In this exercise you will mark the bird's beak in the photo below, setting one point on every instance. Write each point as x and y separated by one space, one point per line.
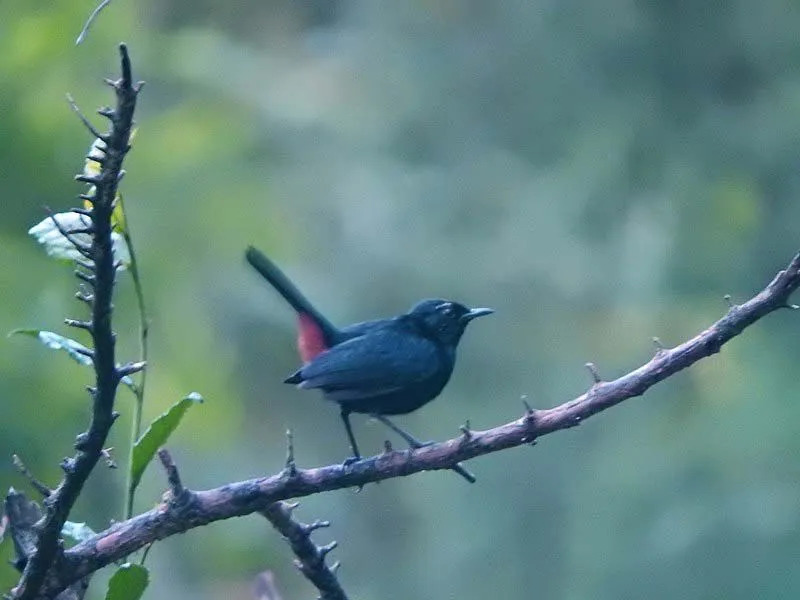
475 313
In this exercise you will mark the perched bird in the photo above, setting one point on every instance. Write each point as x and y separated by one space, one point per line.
383 367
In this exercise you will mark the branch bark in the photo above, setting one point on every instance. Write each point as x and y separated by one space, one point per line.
23 515
89 445
197 508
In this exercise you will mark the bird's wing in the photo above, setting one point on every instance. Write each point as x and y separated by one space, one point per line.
377 363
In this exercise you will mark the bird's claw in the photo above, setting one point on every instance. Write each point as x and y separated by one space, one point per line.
416 444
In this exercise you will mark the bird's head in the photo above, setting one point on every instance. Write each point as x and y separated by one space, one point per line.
445 319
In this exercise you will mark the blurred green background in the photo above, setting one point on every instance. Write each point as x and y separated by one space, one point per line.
598 173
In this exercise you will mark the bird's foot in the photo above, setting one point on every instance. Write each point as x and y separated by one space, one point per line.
350 461
416 444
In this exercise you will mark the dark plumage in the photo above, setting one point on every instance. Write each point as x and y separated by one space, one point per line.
383 367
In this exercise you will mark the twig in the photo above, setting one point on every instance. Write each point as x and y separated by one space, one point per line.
40 487
173 477
90 20
130 368
90 449
310 557
85 121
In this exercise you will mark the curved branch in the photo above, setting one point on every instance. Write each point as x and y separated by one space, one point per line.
197 508
89 445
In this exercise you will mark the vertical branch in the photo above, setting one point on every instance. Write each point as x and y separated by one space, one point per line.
310 557
22 518
89 445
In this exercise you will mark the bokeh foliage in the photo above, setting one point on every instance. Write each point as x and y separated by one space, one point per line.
600 174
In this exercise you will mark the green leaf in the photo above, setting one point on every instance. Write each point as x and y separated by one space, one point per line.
157 435
49 234
75 350
128 583
77 531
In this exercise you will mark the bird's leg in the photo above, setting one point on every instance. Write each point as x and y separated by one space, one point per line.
353 445
415 443
410 439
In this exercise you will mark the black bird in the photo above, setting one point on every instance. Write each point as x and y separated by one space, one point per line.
383 367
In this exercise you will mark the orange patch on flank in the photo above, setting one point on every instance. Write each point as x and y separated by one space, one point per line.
310 340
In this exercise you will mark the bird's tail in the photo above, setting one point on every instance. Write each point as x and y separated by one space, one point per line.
270 271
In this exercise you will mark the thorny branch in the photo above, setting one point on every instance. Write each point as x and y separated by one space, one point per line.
48 553
310 557
199 508
22 516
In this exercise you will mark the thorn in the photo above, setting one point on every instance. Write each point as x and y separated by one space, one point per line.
81 440
90 179
87 298
88 352
91 389
84 120
87 325
130 369
121 173
67 465
530 413
82 211
387 447
88 265
327 549
592 368
728 301
106 454
106 111
290 468
530 417
335 567
311 527
85 277
791 306
290 506
465 431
